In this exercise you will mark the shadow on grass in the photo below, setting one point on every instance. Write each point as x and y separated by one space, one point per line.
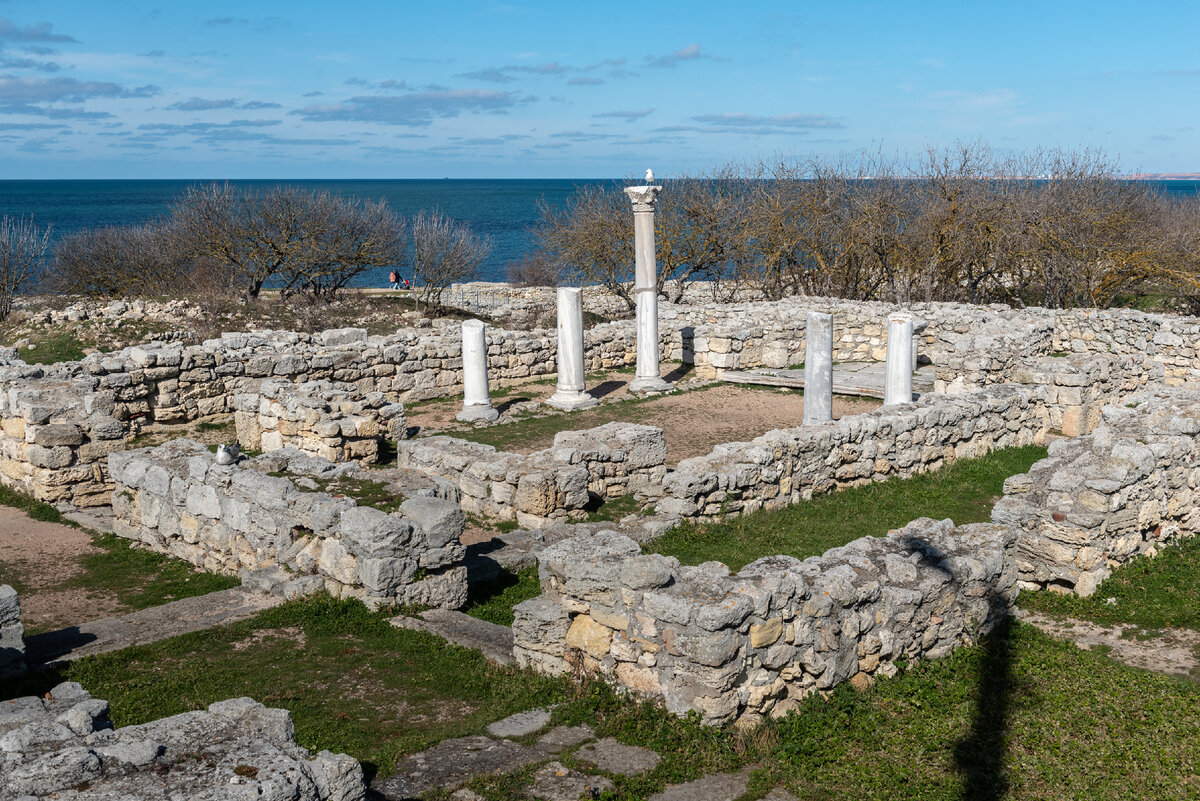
980 756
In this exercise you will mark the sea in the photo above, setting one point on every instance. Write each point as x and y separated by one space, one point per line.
506 210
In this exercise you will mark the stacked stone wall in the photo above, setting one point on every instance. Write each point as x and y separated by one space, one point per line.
548 486
55 437
786 466
754 643
331 421
12 634
1099 500
225 518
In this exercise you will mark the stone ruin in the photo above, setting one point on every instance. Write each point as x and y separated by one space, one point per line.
12 634
176 499
63 745
1113 382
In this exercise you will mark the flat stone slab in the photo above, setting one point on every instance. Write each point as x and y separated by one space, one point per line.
147 625
452 762
717 787
94 521
493 640
560 738
520 724
865 379
779 794
555 782
623 760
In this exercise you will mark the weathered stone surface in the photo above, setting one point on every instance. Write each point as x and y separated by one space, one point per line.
236 749
555 782
612 757
226 518
12 643
453 762
717 787
493 640
561 738
520 724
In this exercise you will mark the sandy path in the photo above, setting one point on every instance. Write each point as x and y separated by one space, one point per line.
693 422
38 557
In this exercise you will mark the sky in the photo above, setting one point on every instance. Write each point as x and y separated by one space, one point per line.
404 89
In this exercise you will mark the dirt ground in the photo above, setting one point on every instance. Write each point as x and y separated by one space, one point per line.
1173 651
693 422
37 558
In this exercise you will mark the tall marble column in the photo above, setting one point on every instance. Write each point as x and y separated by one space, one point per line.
477 404
645 287
569 394
818 368
898 371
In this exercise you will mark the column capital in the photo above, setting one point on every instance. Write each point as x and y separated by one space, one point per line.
643 197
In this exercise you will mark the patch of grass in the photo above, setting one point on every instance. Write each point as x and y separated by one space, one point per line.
140 578
1151 592
363 491
38 510
352 682
222 426
964 491
614 510
55 347
494 600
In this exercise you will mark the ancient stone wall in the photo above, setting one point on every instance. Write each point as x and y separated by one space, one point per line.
12 634
225 518
55 437
63 745
332 421
754 643
785 466
1099 500
548 486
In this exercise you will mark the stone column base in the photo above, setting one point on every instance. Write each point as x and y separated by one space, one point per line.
476 414
571 400
650 383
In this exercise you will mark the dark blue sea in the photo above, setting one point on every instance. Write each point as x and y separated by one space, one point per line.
504 210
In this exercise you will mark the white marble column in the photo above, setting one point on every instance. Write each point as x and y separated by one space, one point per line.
645 287
898 372
818 368
569 394
477 405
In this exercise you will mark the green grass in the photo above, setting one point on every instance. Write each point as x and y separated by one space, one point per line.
38 510
494 600
140 578
1152 592
1023 716
612 511
964 491
59 346
363 491
352 682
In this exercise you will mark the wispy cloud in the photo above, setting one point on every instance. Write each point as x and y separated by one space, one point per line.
44 90
985 100
628 116
39 32
415 110
583 80
690 53
779 123
210 104
53 113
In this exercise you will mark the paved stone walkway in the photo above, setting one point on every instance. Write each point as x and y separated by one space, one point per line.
455 762
147 625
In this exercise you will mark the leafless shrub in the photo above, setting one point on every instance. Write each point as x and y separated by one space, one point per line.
313 242
443 251
22 252
536 268
118 261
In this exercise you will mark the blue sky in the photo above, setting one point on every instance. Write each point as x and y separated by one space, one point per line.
108 89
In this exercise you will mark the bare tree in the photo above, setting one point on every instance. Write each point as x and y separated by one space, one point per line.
443 251
590 238
118 261
22 252
536 268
